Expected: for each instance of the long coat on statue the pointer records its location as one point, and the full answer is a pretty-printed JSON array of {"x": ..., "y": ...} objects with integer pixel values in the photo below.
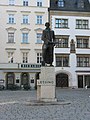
[{"x": 47, "y": 49}]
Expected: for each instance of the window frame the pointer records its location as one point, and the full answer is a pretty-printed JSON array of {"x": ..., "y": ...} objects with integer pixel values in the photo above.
[
  {"x": 39, "y": 37},
  {"x": 39, "y": 57},
  {"x": 39, "y": 3},
  {"x": 61, "y": 23},
  {"x": 83, "y": 61},
  {"x": 62, "y": 41},
  {"x": 82, "y": 42},
  {"x": 61, "y": 3},
  {"x": 61, "y": 60},
  {"x": 11, "y": 2},
  {"x": 25, "y": 38},
  {"x": 81, "y": 4},
  {"x": 24, "y": 57},
  {"x": 25, "y": 19},
  {"x": 82, "y": 24},
  {"x": 10, "y": 57},
  {"x": 25, "y": 2},
  {"x": 39, "y": 19},
  {"x": 11, "y": 37},
  {"x": 11, "y": 19}
]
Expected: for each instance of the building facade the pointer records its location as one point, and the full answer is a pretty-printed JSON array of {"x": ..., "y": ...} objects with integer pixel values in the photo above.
[
  {"x": 70, "y": 19},
  {"x": 21, "y": 25}
]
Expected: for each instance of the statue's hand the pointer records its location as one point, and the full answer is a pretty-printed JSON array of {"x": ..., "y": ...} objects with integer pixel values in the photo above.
[
  {"x": 47, "y": 42},
  {"x": 50, "y": 42}
]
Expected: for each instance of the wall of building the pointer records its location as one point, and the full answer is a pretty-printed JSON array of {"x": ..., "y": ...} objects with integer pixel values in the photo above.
[
  {"x": 72, "y": 32},
  {"x": 18, "y": 10}
]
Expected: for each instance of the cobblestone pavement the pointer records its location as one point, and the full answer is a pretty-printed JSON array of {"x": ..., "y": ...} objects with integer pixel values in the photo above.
[{"x": 12, "y": 106}]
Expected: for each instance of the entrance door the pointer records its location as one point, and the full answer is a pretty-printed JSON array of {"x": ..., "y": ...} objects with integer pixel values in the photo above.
[
  {"x": 24, "y": 79},
  {"x": 10, "y": 79},
  {"x": 61, "y": 80},
  {"x": 87, "y": 80},
  {"x": 80, "y": 81}
]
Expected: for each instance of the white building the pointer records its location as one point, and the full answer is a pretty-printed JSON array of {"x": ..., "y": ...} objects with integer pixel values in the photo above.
[
  {"x": 21, "y": 25},
  {"x": 70, "y": 19}
]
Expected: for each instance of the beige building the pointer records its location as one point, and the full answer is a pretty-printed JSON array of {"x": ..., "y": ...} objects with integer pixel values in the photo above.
[{"x": 21, "y": 25}]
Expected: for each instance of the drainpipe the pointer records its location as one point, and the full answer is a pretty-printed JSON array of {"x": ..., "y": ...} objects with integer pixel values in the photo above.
[{"x": 49, "y": 15}]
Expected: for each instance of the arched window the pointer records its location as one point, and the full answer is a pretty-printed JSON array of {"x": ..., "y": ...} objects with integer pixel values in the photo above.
[{"x": 60, "y": 3}]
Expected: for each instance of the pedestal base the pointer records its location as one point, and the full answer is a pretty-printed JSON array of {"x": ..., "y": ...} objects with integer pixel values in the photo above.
[{"x": 46, "y": 85}]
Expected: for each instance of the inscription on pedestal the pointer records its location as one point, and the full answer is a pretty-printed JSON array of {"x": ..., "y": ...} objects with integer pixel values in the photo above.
[{"x": 43, "y": 82}]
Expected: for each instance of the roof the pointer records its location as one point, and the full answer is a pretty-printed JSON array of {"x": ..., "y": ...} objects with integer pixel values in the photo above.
[{"x": 71, "y": 5}]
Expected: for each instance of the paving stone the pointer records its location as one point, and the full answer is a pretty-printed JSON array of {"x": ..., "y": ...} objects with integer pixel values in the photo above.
[{"x": 13, "y": 107}]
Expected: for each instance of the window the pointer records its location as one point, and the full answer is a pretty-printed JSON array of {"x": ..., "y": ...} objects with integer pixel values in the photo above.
[
  {"x": 11, "y": 19},
  {"x": 25, "y": 57},
  {"x": 82, "y": 42},
  {"x": 61, "y": 41},
  {"x": 39, "y": 57},
  {"x": 39, "y": 3},
  {"x": 25, "y": 19},
  {"x": 32, "y": 80},
  {"x": 39, "y": 19},
  {"x": 62, "y": 60},
  {"x": 83, "y": 61},
  {"x": 60, "y": 3},
  {"x": 82, "y": 24},
  {"x": 25, "y": 2},
  {"x": 10, "y": 37},
  {"x": 80, "y": 4},
  {"x": 39, "y": 36},
  {"x": 61, "y": 23},
  {"x": 10, "y": 57},
  {"x": 17, "y": 80},
  {"x": 11, "y": 2},
  {"x": 24, "y": 37}
]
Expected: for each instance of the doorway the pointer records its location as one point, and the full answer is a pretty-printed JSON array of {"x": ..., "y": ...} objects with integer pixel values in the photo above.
[
  {"x": 10, "y": 79},
  {"x": 62, "y": 80},
  {"x": 24, "y": 79}
]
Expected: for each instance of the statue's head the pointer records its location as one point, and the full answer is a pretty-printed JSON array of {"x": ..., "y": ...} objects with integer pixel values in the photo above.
[{"x": 47, "y": 24}]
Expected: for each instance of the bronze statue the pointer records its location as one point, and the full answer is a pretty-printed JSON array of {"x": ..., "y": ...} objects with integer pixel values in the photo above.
[{"x": 48, "y": 46}]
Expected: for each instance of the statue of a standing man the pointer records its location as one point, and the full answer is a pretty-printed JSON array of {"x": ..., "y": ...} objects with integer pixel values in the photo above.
[{"x": 47, "y": 49}]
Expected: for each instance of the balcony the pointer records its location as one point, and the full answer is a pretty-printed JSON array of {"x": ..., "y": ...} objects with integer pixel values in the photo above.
[
  {"x": 19, "y": 66},
  {"x": 29, "y": 66}
]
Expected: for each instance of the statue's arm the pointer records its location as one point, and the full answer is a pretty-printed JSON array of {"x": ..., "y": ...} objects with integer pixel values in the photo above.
[
  {"x": 53, "y": 37},
  {"x": 43, "y": 36}
]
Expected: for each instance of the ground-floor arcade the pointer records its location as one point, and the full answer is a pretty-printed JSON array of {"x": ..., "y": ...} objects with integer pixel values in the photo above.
[
  {"x": 26, "y": 78},
  {"x": 63, "y": 79},
  {"x": 20, "y": 79}
]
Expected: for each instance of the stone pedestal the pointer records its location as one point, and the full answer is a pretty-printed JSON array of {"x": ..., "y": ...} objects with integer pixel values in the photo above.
[{"x": 46, "y": 85}]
